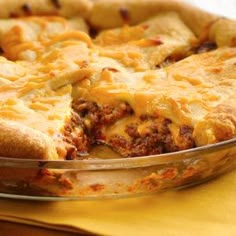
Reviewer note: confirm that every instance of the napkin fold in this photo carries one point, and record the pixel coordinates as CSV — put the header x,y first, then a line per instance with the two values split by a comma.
x,y
207,209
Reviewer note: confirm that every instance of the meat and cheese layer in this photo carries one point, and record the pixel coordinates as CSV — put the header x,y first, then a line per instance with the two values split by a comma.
x,y
171,102
142,89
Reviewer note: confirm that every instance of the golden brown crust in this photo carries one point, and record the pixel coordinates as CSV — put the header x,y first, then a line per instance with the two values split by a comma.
x,y
228,37
158,38
67,8
19,141
202,23
126,11
137,11
218,125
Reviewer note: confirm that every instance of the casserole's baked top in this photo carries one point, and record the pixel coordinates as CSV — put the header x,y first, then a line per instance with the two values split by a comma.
x,y
142,84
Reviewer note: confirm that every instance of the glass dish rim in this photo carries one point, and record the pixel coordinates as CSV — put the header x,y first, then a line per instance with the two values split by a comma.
x,y
120,163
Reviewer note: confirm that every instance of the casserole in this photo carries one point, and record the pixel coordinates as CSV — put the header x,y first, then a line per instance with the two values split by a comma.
x,y
154,82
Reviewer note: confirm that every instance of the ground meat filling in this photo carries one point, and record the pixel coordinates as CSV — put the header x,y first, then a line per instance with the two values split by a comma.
x,y
86,126
95,118
146,136
151,136
78,142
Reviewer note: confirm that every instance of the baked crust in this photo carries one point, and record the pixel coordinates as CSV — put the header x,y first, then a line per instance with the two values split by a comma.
x,y
138,11
97,12
217,126
68,63
203,24
66,8
19,141
228,37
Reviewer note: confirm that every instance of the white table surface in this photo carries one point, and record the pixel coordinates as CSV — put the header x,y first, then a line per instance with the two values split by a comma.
x,y
222,7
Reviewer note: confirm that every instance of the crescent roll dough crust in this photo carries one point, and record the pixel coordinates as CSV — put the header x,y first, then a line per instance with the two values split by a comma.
x,y
19,141
66,8
138,11
219,125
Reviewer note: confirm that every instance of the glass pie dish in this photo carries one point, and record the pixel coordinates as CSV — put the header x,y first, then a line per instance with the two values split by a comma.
x,y
114,178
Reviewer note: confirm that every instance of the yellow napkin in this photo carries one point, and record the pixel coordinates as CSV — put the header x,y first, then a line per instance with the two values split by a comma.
x,y
208,209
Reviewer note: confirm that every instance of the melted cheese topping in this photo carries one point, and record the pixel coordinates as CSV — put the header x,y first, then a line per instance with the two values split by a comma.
x,y
36,88
147,45
184,92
